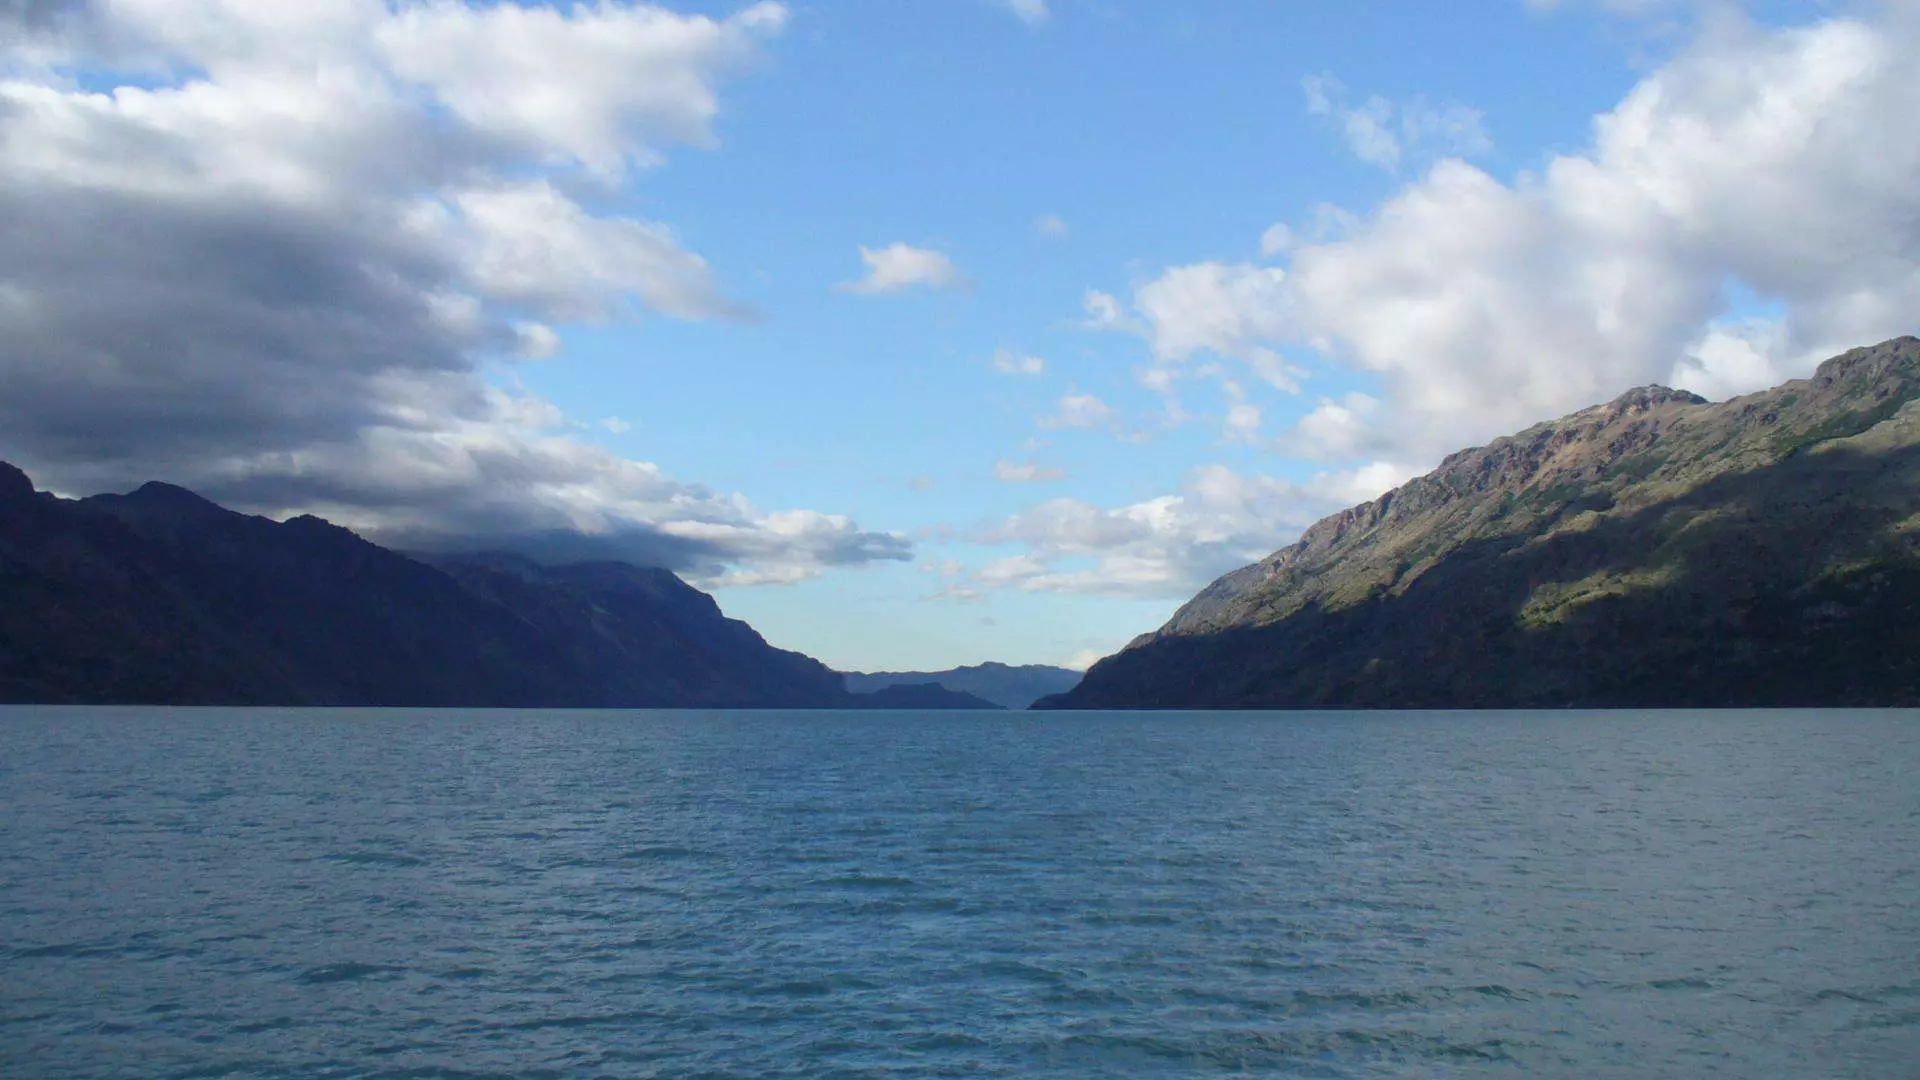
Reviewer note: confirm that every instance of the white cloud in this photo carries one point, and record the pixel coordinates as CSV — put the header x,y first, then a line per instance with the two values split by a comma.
x,y
1079,411
1218,307
1373,135
1276,240
1007,362
1050,225
1160,380
1025,472
1031,12
616,425
505,473
753,578
1453,127
1243,421
1763,157
954,589
899,266
272,268
1083,659
534,341
1162,547
1734,358
1013,569
1350,487
1103,312
527,244
1775,159
1367,127
1233,310
601,84
1338,429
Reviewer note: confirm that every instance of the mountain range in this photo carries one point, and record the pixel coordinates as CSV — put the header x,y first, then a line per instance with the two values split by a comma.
x,y
1005,685
1657,550
160,596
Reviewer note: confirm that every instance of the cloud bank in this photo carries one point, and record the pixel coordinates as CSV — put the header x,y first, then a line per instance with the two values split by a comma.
x,y
1747,210
1219,520
273,251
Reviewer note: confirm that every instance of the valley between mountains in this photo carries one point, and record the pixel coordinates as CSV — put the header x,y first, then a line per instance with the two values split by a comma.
x,y
1656,550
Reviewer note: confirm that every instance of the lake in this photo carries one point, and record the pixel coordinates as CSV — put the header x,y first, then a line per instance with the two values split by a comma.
x,y
366,893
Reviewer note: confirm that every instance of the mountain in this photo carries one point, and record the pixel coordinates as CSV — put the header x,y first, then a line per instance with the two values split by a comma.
x,y
160,596
1004,685
1657,550
919,696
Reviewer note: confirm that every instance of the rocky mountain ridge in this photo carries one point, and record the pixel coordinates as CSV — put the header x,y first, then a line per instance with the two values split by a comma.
x,y
1657,549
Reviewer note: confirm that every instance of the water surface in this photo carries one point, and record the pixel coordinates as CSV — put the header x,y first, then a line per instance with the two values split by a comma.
x,y
348,893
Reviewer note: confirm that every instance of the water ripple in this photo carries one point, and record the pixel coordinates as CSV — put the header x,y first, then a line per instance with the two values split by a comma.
x,y
431,894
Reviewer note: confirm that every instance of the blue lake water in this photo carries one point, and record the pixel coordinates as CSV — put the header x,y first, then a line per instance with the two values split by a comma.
x,y
351,893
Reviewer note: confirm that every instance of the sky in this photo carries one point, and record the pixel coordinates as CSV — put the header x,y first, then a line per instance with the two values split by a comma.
x,y
920,334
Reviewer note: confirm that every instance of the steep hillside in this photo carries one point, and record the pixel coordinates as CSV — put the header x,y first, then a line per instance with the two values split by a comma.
x,y
1655,550
160,596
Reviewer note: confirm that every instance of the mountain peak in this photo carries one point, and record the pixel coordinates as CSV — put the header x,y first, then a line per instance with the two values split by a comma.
x,y
1653,394
158,495
15,485
1871,361
1656,549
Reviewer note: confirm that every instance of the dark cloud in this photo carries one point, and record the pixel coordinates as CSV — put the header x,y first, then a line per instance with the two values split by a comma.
x,y
692,556
40,14
151,334
641,547
283,291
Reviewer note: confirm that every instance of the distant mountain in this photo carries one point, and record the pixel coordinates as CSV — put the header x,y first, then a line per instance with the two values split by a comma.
x,y
1003,685
919,696
1657,550
160,596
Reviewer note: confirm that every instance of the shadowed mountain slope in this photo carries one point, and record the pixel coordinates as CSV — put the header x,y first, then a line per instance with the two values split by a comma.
x,y
1655,550
159,596
1005,685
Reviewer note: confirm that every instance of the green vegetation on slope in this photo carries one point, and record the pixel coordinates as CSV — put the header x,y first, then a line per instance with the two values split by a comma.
x,y
1655,550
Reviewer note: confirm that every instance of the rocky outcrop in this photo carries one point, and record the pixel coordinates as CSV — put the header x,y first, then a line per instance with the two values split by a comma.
x,y
1654,550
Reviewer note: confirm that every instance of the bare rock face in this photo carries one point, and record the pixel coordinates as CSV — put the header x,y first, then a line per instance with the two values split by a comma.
x,y
1657,549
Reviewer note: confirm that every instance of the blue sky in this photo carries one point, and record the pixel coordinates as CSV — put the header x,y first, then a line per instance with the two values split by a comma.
x,y
1152,286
